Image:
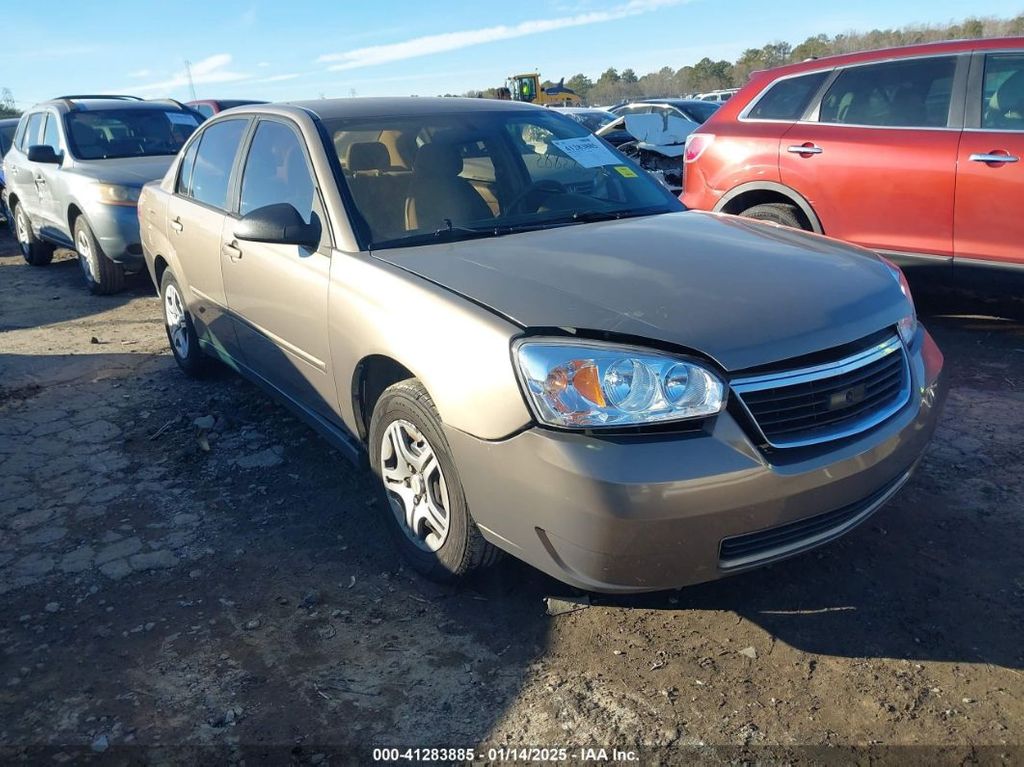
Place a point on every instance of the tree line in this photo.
(613, 87)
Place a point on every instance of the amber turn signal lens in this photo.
(587, 382)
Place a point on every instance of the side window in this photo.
(1002, 106)
(184, 183)
(51, 134)
(211, 172)
(276, 171)
(787, 99)
(31, 135)
(204, 109)
(909, 94)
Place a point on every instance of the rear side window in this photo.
(1002, 107)
(31, 135)
(211, 172)
(787, 99)
(908, 94)
(276, 171)
(184, 185)
(204, 109)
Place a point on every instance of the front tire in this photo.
(35, 251)
(181, 333)
(425, 506)
(777, 212)
(102, 276)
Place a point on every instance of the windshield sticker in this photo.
(626, 172)
(181, 119)
(587, 151)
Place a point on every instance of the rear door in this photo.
(20, 179)
(877, 158)
(279, 292)
(988, 225)
(196, 216)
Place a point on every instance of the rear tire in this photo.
(35, 251)
(779, 213)
(181, 332)
(444, 543)
(102, 276)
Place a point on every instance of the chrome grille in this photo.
(809, 405)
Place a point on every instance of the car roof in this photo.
(905, 51)
(9, 121)
(98, 104)
(401, 106)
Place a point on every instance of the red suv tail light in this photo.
(696, 143)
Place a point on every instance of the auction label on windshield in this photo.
(588, 151)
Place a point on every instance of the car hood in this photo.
(745, 293)
(129, 171)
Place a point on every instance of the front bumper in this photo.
(117, 229)
(643, 513)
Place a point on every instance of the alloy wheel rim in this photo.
(415, 485)
(22, 230)
(84, 249)
(174, 314)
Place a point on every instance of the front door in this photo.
(279, 292)
(878, 161)
(988, 225)
(53, 222)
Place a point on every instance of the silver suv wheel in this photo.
(22, 231)
(415, 485)
(85, 260)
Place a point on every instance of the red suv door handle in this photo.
(997, 155)
(806, 149)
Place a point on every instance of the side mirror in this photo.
(43, 153)
(279, 223)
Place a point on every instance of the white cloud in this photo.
(278, 78)
(212, 69)
(263, 64)
(451, 41)
(141, 73)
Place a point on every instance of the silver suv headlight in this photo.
(116, 194)
(583, 384)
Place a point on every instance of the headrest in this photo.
(437, 159)
(368, 155)
(1010, 96)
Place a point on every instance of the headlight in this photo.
(115, 194)
(907, 326)
(591, 384)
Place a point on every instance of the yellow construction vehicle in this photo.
(526, 87)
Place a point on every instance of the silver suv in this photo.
(74, 173)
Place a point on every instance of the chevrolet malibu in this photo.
(535, 345)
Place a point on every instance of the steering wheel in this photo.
(542, 189)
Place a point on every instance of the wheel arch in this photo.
(744, 196)
(373, 374)
(74, 211)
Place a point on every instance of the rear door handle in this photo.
(232, 251)
(176, 225)
(806, 148)
(993, 157)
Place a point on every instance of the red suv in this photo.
(914, 152)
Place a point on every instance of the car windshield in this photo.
(422, 178)
(699, 112)
(592, 120)
(111, 133)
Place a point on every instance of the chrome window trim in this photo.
(894, 345)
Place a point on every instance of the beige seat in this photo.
(438, 192)
(379, 189)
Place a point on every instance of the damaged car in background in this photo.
(655, 141)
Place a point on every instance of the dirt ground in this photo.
(231, 590)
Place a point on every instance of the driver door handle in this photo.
(176, 225)
(232, 251)
(994, 157)
(807, 148)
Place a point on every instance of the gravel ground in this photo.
(226, 586)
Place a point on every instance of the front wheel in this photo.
(35, 251)
(102, 276)
(777, 212)
(426, 510)
(181, 333)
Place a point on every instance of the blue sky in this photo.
(308, 48)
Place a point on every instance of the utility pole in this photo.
(188, 73)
